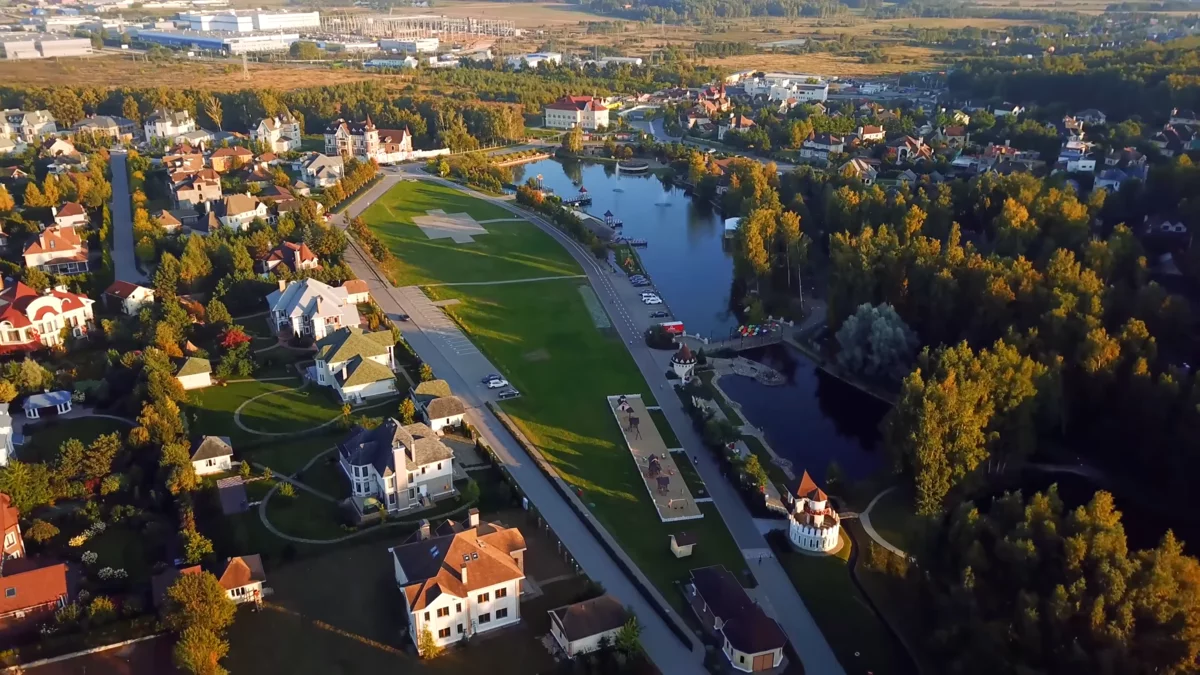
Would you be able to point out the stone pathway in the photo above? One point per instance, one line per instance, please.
(865, 519)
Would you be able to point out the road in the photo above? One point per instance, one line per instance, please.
(123, 258)
(439, 343)
(630, 318)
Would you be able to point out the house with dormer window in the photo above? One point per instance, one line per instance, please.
(310, 308)
(400, 466)
(358, 365)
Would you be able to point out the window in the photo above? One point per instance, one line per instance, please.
(502, 613)
(741, 659)
(392, 498)
(426, 616)
(439, 466)
(485, 618)
(444, 633)
(501, 593)
(423, 470)
(483, 597)
(458, 608)
(443, 611)
(10, 592)
(460, 629)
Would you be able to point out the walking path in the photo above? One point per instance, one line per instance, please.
(865, 519)
(463, 370)
(237, 414)
(123, 257)
(510, 281)
(617, 294)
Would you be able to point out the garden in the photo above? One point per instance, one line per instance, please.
(508, 250)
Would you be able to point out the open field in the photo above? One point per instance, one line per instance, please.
(543, 338)
(113, 71)
(860, 640)
(42, 445)
(508, 250)
(525, 14)
(904, 59)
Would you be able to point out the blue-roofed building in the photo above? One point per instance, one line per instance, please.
(59, 400)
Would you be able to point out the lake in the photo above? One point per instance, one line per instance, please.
(813, 418)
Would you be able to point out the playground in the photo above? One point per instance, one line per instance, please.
(657, 467)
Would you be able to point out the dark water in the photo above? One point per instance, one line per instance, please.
(813, 418)
(685, 258)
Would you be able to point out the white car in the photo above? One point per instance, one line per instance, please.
(652, 300)
(497, 383)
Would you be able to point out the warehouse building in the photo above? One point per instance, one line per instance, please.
(42, 46)
(409, 46)
(224, 43)
(232, 21)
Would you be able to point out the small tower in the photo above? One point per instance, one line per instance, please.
(813, 525)
(683, 363)
(608, 218)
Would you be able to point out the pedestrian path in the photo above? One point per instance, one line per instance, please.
(510, 281)
(865, 519)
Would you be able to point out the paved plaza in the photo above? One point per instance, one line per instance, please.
(460, 228)
(656, 465)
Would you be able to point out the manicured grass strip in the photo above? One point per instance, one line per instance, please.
(543, 339)
(287, 455)
(509, 250)
(664, 429)
(706, 376)
(210, 411)
(841, 612)
(291, 411)
(690, 476)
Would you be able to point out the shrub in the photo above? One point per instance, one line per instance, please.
(286, 490)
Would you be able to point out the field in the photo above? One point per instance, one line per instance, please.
(42, 445)
(509, 250)
(543, 338)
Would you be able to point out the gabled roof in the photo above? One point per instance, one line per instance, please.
(235, 205)
(359, 371)
(57, 239)
(124, 289)
(241, 571)
(71, 210)
(9, 515)
(211, 447)
(432, 388)
(308, 296)
(376, 446)
(355, 286)
(590, 617)
(234, 151)
(346, 343)
(444, 407)
(290, 254)
(434, 566)
(194, 365)
(746, 625)
(28, 583)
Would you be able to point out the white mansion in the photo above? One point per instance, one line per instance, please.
(401, 466)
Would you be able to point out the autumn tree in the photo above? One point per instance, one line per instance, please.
(408, 411)
(214, 110)
(572, 142)
(6, 201)
(200, 651)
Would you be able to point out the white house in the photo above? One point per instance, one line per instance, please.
(212, 454)
(130, 296)
(356, 291)
(243, 578)
(71, 214)
(27, 126)
(738, 123)
(280, 133)
(871, 134)
(400, 466)
(821, 146)
(310, 308)
(436, 405)
(750, 640)
(356, 364)
(6, 443)
(237, 211)
(321, 170)
(861, 169)
(463, 582)
(582, 627)
(169, 124)
(57, 250)
(569, 112)
(194, 373)
(813, 525)
(30, 320)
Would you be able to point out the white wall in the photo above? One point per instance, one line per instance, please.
(437, 424)
(197, 381)
(205, 467)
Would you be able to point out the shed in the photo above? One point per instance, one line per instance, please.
(194, 373)
(682, 543)
(212, 454)
(582, 627)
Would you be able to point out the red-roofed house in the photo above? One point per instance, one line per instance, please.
(58, 250)
(130, 296)
(71, 214)
(227, 159)
(296, 256)
(569, 112)
(356, 291)
(14, 544)
(30, 320)
(734, 123)
(243, 578)
(30, 590)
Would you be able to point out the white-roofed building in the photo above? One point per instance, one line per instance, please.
(310, 308)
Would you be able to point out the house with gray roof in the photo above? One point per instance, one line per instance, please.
(211, 454)
(194, 373)
(321, 170)
(356, 363)
(399, 466)
(310, 308)
(436, 405)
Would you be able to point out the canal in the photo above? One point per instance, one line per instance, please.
(813, 418)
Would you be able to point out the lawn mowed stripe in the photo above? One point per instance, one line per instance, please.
(509, 250)
(544, 340)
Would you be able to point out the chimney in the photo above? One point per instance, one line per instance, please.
(464, 574)
(423, 529)
(473, 518)
(282, 285)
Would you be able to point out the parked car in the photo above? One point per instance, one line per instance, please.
(659, 315)
(652, 300)
(641, 283)
(497, 383)
(489, 378)
(506, 394)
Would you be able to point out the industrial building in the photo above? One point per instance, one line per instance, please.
(535, 59)
(387, 25)
(409, 46)
(42, 46)
(233, 21)
(348, 45)
(225, 43)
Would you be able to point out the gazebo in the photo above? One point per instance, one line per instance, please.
(683, 363)
(59, 400)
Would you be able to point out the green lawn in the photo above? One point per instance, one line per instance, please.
(305, 515)
(542, 337)
(121, 548)
(42, 445)
(706, 376)
(860, 640)
(289, 454)
(690, 476)
(510, 250)
(893, 518)
(327, 476)
(292, 411)
(665, 430)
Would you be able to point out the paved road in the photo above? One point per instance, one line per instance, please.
(438, 343)
(622, 299)
(124, 260)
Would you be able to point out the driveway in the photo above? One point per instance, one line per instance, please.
(124, 260)
(622, 300)
(440, 344)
